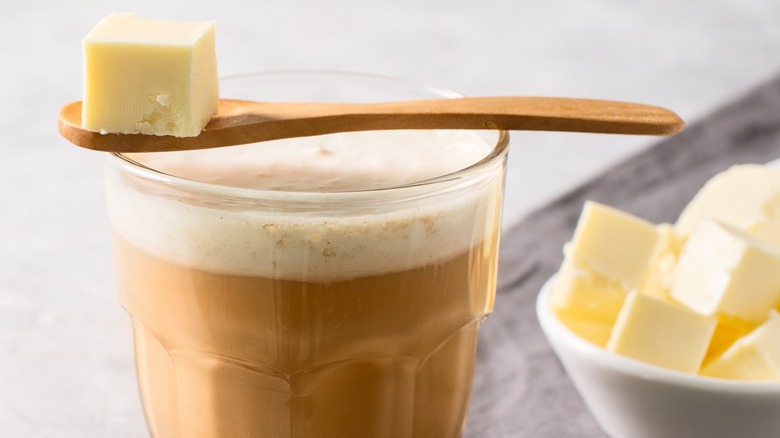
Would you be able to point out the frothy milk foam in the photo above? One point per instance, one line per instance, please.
(302, 244)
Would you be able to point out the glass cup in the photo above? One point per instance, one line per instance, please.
(266, 313)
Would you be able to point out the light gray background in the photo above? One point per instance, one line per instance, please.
(66, 365)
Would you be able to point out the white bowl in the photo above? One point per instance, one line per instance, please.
(632, 399)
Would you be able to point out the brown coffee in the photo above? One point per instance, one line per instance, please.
(381, 356)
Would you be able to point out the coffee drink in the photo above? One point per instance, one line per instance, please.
(309, 287)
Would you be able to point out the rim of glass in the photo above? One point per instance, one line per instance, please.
(500, 149)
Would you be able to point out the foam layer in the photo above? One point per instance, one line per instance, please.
(338, 162)
(310, 244)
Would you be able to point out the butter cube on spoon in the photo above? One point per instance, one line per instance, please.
(145, 76)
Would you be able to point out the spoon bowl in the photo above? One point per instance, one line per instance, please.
(241, 122)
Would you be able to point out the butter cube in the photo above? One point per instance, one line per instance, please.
(586, 302)
(607, 257)
(613, 243)
(756, 356)
(660, 272)
(724, 271)
(727, 332)
(746, 197)
(149, 76)
(661, 333)
(593, 331)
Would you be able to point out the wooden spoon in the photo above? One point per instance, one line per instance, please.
(241, 122)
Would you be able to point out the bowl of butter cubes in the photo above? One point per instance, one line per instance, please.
(673, 330)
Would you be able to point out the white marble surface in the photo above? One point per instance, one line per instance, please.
(66, 365)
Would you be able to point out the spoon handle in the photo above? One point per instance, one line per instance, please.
(241, 122)
(508, 113)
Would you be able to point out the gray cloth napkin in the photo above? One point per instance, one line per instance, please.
(520, 388)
